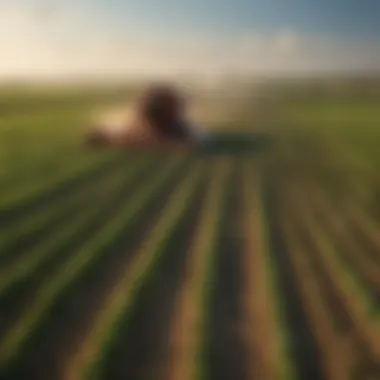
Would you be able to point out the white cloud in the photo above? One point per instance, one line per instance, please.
(64, 42)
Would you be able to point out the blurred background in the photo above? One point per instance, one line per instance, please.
(119, 264)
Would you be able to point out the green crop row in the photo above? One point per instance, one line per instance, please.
(364, 270)
(70, 202)
(50, 176)
(78, 263)
(266, 294)
(35, 257)
(89, 358)
(352, 298)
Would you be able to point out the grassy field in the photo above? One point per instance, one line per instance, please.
(173, 266)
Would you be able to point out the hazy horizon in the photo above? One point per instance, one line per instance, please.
(110, 40)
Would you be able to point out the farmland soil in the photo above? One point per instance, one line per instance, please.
(56, 193)
(225, 352)
(70, 318)
(140, 350)
(303, 344)
(344, 322)
(13, 251)
(18, 298)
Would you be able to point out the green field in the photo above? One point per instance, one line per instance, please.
(184, 266)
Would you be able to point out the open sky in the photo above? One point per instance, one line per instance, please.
(198, 37)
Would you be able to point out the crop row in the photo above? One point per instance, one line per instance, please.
(32, 258)
(175, 283)
(26, 222)
(348, 330)
(50, 186)
(76, 264)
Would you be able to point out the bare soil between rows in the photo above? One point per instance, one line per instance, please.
(17, 299)
(67, 321)
(225, 354)
(303, 345)
(141, 349)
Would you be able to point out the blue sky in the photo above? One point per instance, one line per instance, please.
(334, 17)
(176, 36)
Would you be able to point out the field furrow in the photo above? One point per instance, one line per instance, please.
(140, 349)
(303, 345)
(16, 299)
(43, 200)
(36, 256)
(366, 232)
(264, 354)
(76, 266)
(334, 351)
(36, 227)
(187, 354)
(349, 249)
(225, 353)
(87, 360)
(76, 311)
(351, 303)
